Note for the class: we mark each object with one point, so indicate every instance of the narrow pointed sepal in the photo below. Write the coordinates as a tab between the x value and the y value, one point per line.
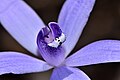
72	19
104	51
18	63
22	23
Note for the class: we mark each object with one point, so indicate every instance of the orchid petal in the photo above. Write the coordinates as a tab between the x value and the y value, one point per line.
104	51
67	73
22	23
4	4
53	56
72	20
18	63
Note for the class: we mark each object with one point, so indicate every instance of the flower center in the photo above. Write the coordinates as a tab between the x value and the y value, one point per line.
57	41
53	35
49	41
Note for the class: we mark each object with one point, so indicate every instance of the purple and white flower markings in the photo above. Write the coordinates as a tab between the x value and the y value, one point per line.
54	42
49	42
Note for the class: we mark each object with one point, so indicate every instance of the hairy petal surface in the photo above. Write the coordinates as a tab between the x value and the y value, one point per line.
103	51
21	22
67	73
18	63
72	20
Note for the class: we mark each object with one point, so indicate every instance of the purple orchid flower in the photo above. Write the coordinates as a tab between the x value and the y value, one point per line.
53	42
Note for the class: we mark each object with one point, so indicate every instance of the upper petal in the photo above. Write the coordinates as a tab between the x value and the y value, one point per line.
103	51
67	73
21	22
18	63
72	20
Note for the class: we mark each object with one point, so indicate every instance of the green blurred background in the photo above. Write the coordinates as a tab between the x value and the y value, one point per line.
104	23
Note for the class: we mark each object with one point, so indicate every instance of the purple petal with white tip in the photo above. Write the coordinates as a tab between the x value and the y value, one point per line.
67	73
53	56
18	63
104	51
21	22
72	20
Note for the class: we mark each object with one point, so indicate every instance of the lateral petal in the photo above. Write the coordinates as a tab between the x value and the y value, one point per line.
72	19
104	51
18	63
22	23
